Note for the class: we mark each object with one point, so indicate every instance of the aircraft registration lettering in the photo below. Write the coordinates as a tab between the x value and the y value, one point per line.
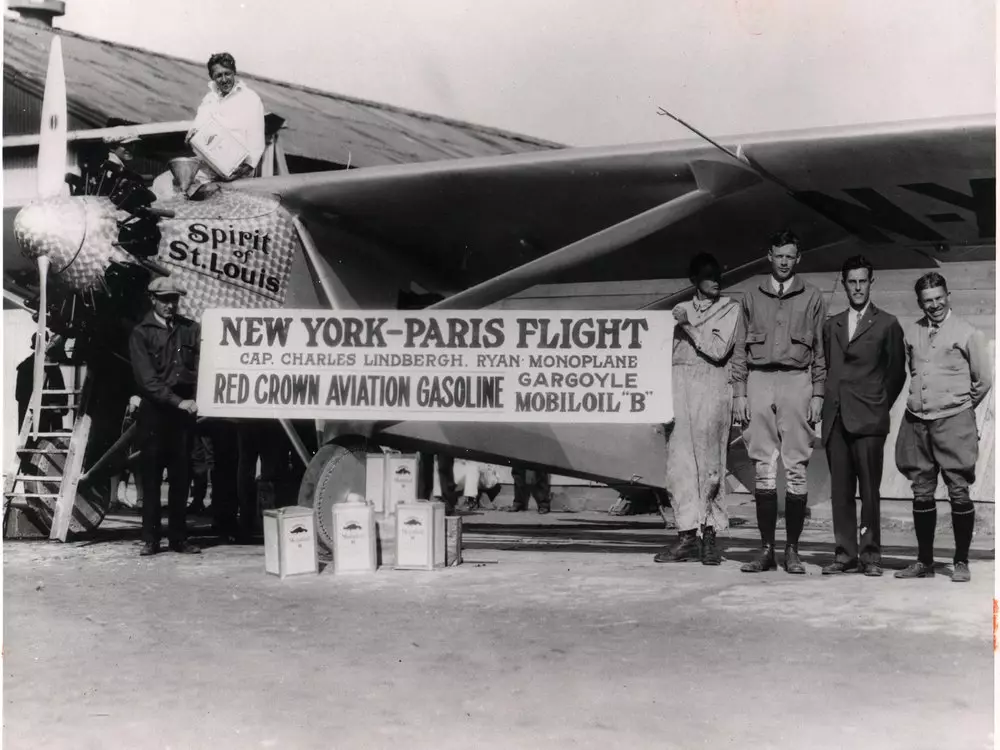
873	217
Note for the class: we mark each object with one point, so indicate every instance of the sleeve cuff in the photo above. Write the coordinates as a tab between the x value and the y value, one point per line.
817	391
740	389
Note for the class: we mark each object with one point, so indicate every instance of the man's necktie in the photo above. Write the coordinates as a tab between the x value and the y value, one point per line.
781	289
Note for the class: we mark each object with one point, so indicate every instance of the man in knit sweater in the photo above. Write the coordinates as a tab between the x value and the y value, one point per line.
950	375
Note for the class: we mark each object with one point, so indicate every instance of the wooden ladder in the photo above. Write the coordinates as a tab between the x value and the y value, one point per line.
47	496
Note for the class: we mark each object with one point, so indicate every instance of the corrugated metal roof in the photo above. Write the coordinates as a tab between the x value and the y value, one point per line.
106	79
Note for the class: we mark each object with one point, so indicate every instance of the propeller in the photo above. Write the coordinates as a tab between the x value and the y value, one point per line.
51	184
52	138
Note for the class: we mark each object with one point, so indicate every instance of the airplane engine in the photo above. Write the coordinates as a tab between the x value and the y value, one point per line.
233	249
76	234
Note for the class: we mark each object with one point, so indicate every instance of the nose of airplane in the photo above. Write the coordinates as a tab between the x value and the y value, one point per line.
54	228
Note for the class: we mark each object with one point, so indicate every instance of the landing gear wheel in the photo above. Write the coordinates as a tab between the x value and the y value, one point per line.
336	470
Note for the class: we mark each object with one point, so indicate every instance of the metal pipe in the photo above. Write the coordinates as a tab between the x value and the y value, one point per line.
300	447
109	454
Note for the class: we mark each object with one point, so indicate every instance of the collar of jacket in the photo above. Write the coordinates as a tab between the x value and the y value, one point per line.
149	319
238	86
870	313
926	322
796	288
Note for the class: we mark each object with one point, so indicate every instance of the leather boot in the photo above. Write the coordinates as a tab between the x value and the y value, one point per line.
687	549
710	552
793	563
764	561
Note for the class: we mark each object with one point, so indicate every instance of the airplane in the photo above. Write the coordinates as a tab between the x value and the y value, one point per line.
474	232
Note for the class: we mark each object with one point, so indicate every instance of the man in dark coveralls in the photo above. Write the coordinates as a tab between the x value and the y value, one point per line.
865	374
164	352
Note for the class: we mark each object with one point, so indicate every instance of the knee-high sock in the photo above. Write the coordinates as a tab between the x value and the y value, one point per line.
795	517
767	514
963	520
924	524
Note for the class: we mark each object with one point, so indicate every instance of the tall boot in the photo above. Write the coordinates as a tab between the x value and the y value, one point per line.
925	524
795	519
767	521
710	552
687	549
963	520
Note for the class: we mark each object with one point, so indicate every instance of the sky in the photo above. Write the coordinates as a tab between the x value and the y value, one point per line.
594	72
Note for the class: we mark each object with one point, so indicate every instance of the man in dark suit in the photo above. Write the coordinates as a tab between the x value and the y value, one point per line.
865	358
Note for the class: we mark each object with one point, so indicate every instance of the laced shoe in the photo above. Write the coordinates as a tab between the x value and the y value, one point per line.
710	552
687	549
793	563
916	570
763	562
961	573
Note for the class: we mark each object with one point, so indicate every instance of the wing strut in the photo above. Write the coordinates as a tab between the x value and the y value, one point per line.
320	270
714	180
327	283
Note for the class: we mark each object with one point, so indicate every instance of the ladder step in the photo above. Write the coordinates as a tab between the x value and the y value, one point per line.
43	450
52	434
31	494
62	391
37	478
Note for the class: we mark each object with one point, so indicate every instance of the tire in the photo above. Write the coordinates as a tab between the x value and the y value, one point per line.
337	469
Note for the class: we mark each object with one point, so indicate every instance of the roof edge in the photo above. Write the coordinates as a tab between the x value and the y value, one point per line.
306	89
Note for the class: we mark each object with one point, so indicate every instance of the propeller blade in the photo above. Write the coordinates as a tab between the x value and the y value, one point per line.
52	137
39	370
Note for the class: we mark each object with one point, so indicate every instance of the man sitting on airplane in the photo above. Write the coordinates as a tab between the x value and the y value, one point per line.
237	108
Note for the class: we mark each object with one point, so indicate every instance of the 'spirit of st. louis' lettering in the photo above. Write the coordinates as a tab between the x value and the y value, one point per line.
227	253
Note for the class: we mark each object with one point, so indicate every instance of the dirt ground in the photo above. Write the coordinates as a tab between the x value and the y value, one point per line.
557	632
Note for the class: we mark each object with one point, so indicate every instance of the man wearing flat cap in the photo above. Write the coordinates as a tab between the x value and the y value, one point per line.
115	166
164	352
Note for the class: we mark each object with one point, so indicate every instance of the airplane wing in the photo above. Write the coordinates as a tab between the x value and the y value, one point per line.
910	193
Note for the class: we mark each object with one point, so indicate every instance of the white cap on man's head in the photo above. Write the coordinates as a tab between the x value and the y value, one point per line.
122	137
164	286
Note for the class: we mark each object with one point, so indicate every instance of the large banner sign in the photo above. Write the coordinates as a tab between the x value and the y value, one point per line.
475	366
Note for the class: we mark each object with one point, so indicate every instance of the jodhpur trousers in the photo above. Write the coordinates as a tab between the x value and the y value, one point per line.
949	445
779	427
